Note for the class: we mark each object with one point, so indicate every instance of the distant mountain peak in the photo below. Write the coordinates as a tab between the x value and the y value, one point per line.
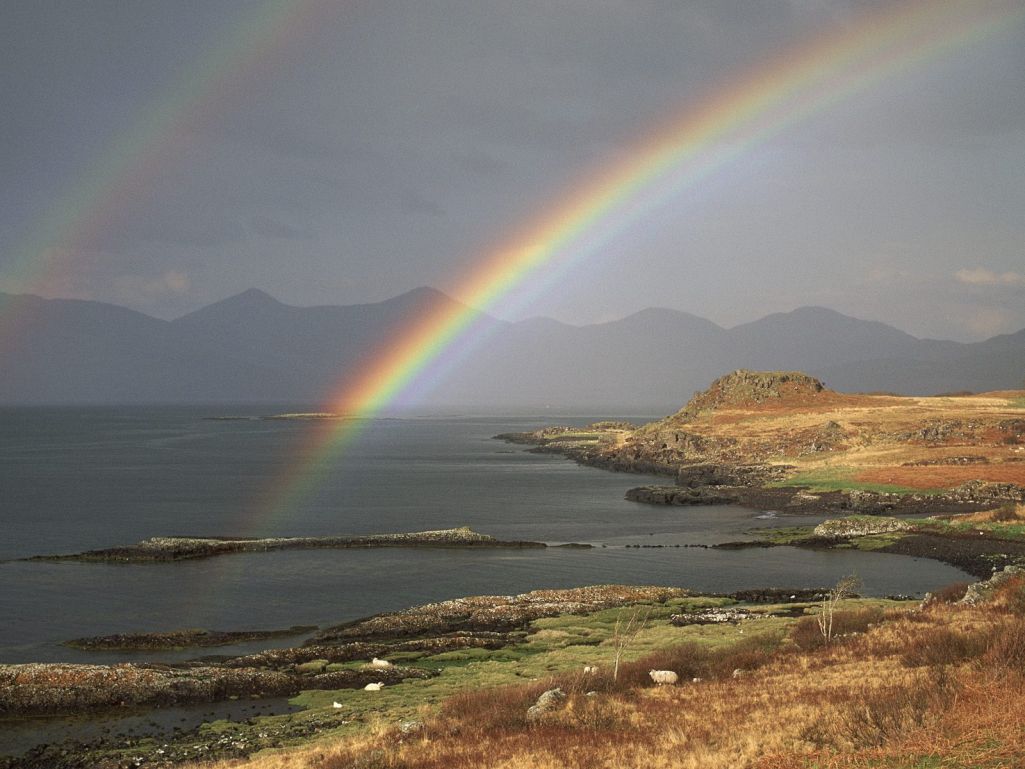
252	296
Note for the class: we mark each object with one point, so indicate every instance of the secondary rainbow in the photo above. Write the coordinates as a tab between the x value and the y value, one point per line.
61	241
687	148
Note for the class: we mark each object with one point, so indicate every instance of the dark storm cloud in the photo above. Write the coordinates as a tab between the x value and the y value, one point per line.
399	142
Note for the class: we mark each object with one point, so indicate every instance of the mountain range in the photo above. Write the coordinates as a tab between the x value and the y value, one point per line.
253	348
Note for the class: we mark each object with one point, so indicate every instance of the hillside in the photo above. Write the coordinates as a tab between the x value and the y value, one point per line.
892	685
254	348
799	431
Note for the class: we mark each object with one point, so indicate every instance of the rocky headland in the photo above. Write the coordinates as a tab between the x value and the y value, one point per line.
782	440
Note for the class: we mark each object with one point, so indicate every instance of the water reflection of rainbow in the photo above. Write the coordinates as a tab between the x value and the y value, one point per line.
690	146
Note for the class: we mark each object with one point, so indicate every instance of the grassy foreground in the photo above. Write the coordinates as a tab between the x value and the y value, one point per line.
900	686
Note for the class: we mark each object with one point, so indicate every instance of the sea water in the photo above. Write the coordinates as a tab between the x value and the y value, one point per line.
73	479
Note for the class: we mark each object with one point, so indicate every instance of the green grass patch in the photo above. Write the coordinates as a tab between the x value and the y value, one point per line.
876	541
784	535
1014	532
1017	403
842	479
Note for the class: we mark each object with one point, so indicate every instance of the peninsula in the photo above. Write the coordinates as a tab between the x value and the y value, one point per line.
162	549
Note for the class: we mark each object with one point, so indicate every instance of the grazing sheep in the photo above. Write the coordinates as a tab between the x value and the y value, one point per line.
590	669
662	677
379	664
336	705
374	687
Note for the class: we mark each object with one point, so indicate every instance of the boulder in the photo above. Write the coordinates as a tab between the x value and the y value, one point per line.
546	703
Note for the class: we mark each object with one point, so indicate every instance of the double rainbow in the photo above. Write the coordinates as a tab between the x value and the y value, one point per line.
678	155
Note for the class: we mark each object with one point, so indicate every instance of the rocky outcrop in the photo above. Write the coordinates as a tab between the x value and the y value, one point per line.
549	701
708	474
494	613
982	592
714	616
982	492
744	388
861	527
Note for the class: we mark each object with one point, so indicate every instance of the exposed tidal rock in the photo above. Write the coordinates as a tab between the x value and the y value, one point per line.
181	639
683	495
38	688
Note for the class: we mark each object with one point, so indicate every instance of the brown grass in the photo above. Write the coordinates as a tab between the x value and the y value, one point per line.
943	476
943	684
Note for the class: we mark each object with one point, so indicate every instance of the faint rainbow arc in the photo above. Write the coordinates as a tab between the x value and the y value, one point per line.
135	155
687	149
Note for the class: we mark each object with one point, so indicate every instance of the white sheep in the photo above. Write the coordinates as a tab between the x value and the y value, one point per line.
336	705
374	687
590	669
379	664
662	677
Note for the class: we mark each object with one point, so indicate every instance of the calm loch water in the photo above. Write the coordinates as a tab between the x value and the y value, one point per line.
78	478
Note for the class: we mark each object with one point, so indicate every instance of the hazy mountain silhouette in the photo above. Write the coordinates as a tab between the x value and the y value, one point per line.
253	348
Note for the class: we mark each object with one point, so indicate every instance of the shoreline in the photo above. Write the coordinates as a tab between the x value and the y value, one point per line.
427	643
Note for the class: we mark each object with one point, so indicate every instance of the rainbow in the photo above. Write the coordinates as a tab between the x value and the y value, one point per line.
62	239
689	147
685	149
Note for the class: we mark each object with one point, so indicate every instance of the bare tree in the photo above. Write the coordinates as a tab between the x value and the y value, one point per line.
624	634
844	589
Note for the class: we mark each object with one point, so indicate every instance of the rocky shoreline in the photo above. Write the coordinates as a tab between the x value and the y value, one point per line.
488	622
798	500
760	486
164	549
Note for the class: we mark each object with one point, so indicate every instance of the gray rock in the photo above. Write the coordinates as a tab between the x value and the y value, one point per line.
982	592
860	527
546	703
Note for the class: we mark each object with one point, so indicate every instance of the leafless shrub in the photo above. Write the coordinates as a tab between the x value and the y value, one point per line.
943	646
874	716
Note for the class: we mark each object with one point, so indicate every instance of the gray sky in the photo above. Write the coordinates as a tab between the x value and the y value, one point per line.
395	144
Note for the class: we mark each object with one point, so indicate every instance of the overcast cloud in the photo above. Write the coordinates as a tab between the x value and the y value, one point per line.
395	144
